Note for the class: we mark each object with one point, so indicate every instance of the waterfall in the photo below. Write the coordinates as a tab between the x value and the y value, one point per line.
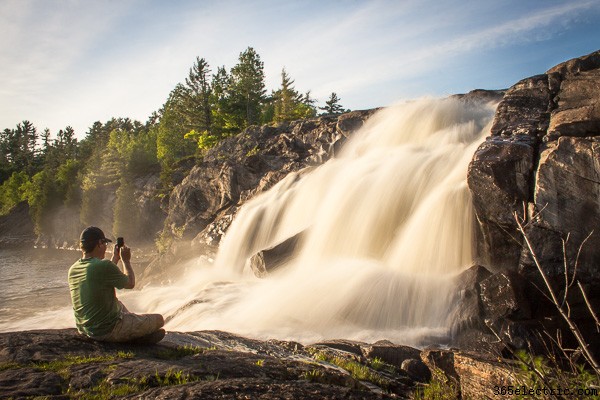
385	226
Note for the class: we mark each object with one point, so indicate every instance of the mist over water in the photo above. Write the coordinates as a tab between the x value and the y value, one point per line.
386	226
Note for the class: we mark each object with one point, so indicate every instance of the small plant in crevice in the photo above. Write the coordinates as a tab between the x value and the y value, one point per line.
439	388
314	375
174	377
179	352
357	370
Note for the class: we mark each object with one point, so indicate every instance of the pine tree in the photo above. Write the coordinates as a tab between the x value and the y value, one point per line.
247	89
45	136
332	106
5	165
220	104
195	98
288	104
171	144
19	147
286	99
66	143
306	108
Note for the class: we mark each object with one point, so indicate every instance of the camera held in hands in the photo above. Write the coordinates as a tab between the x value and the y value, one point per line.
120	242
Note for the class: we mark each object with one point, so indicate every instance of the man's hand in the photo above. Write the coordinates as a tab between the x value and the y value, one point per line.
125	254
115	255
126	257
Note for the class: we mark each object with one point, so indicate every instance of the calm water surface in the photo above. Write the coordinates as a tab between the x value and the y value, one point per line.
33	282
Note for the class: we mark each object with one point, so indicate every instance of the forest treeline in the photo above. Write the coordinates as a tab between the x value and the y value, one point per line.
54	173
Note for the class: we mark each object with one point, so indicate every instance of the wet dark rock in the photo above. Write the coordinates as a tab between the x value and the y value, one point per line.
348	346
567	194
467	310
350	122
525	109
268	260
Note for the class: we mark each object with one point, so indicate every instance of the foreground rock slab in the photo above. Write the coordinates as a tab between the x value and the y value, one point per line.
206	364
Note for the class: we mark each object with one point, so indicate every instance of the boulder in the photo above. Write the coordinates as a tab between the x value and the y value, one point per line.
416	369
499	177
467	308
475	375
268	260
525	109
390	353
503	296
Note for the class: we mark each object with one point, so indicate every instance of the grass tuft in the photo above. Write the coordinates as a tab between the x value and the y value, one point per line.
439	388
356	369
180	352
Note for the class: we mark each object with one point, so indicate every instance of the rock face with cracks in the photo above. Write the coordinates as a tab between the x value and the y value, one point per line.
541	164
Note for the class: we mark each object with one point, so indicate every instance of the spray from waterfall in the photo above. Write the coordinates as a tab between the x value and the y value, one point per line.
385	226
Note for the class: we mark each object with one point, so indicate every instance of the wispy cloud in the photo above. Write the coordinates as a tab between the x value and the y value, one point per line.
43	44
410	61
79	61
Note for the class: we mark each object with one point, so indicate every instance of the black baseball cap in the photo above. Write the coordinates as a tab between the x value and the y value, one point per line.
92	234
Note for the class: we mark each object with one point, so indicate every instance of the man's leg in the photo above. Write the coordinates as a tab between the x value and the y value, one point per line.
134	326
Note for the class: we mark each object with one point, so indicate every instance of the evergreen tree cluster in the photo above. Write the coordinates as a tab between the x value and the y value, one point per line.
62	173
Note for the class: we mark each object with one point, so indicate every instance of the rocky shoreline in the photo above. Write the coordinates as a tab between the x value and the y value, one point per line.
62	364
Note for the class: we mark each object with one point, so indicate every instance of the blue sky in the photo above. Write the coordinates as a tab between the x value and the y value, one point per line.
74	62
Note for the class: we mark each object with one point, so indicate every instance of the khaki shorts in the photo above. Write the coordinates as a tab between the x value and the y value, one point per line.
132	326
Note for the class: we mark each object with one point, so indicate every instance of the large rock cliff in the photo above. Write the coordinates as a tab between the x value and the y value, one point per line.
540	167
542	160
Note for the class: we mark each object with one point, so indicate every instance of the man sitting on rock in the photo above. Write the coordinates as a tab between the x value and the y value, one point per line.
92	281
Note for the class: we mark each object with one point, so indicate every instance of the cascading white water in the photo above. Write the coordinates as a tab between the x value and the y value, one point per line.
386	226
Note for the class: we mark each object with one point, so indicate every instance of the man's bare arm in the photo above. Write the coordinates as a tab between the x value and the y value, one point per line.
128	270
